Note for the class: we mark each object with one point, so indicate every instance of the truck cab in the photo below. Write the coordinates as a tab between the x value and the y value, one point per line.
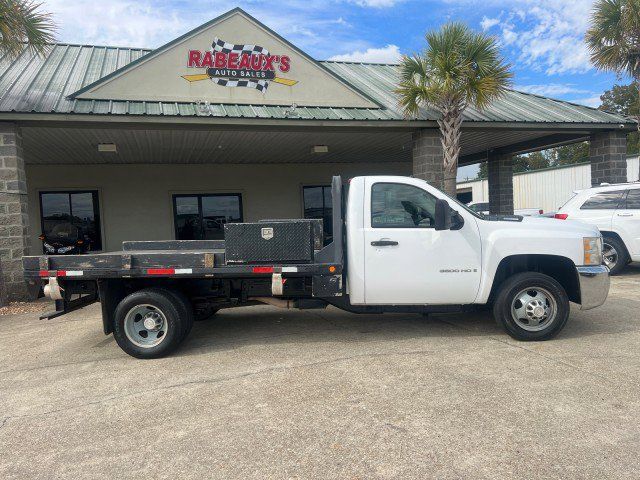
401	252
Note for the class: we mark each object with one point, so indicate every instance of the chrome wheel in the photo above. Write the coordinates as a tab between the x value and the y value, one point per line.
609	255
145	326
533	309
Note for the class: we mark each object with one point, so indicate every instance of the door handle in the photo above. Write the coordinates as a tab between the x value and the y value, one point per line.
384	243
625	214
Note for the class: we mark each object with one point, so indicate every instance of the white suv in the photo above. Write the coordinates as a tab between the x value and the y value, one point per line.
615	210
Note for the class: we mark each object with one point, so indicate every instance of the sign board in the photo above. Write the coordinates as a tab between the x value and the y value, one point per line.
233	59
233	65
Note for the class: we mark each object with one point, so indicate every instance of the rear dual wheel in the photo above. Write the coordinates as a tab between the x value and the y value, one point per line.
152	322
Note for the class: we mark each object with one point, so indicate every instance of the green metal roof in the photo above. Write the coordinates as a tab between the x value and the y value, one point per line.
37	84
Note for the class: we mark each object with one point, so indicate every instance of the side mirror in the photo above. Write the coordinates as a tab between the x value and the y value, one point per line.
443	215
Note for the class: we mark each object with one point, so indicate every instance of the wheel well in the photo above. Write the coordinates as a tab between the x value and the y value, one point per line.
606	233
559	268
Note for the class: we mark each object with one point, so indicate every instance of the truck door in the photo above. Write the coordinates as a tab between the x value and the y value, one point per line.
406	260
626	221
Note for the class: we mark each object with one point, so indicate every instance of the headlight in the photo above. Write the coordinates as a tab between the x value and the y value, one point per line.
66	249
592	250
49	248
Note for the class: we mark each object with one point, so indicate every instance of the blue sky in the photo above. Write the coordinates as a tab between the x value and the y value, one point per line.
542	39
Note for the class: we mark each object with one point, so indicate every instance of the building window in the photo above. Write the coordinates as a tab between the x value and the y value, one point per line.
395	205
202	217
317	204
74	213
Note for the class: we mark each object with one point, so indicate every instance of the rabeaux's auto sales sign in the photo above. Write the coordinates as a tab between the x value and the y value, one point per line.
233	65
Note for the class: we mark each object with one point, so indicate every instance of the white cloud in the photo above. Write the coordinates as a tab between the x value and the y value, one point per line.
388	54
375	3
151	23
487	22
116	22
593	101
551	89
549	34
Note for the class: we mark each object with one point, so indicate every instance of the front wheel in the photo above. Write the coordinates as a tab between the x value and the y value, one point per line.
614	254
531	306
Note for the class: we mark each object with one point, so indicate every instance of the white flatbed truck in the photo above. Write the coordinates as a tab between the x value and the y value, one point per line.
399	245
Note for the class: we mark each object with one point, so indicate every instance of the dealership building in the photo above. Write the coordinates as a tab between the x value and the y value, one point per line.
231	122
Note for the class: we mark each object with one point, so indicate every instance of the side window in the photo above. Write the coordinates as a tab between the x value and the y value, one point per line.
633	199
603	201
394	205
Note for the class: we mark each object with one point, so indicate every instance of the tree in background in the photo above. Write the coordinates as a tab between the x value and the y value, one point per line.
21	22
624	100
552	157
458	68
614	40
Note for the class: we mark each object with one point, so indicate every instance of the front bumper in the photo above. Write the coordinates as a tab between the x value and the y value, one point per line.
594	285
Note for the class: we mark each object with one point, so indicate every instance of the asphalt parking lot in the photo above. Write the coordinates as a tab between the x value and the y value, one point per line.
266	393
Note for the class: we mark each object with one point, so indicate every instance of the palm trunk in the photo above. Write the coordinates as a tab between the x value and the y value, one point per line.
450	129
637	80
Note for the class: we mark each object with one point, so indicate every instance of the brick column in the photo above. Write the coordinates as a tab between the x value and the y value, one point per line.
14	218
427	157
500	170
608	157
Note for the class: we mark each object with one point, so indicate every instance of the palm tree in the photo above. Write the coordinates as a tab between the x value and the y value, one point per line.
458	68
614	38
22	23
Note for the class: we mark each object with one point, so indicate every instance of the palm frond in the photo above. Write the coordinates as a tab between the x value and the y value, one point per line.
23	25
458	68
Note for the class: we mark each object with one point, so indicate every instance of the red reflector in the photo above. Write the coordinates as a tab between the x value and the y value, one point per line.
262	269
44	273
561	216
161	271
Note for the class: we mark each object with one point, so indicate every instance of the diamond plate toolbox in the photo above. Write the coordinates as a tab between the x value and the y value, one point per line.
272	241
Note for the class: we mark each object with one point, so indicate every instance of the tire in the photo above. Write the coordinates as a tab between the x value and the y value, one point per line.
186	309
621	259
149	304
518	305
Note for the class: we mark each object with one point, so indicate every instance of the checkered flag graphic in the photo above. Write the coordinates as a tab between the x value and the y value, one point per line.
220	45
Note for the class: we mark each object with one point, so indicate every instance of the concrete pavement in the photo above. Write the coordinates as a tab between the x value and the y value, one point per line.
266	393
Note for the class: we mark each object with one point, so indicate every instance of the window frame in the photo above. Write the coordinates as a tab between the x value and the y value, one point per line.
95	198
199	197
404	185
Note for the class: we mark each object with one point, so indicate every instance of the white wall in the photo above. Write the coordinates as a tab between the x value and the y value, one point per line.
546	189
136	202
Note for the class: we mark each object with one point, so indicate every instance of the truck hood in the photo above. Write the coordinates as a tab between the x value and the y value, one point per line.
556	225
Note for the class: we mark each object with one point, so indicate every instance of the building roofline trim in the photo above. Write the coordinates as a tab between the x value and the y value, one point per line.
211	119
